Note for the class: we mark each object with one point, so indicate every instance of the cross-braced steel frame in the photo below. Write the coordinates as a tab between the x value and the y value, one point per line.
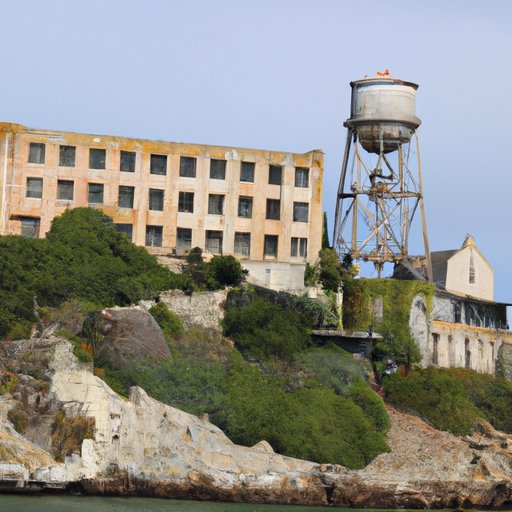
378	198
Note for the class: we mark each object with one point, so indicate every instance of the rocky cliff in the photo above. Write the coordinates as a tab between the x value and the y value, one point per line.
142	447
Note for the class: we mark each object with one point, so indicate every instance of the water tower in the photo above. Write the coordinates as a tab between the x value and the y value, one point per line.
380	188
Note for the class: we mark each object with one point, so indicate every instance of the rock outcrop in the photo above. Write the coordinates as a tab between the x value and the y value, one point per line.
143	447
129	335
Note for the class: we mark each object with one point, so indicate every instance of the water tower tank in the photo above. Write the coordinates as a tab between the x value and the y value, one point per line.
383	113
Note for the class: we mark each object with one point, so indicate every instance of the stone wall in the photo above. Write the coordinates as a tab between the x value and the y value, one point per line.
203	309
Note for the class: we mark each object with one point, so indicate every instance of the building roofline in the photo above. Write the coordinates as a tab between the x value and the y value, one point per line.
20	128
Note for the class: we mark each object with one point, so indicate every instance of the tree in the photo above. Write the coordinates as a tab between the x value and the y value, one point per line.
325	234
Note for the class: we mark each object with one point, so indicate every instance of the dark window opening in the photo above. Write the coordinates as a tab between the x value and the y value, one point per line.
270	246
127	163
467	351
435	348
183	238
215	204
65	190
213	242
300	212
247	172
156	199
299	247
301	177
243	244
245	206
36	153
188	167
158	165
154	236
186	202
67	156
273	209
30	227
275	173
97	158
218	169
126	194
34	188
127	229
95	195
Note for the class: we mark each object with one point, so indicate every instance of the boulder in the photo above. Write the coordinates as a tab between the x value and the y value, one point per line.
128	336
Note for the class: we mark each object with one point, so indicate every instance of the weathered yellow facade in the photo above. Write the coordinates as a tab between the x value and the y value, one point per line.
170	196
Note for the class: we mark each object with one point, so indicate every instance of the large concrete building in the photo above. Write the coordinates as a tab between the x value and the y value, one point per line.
265	207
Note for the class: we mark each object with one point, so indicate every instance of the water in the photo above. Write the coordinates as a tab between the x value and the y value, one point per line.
55	503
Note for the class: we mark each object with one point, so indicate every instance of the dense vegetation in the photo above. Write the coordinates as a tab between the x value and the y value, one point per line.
301	406
84	257
453	399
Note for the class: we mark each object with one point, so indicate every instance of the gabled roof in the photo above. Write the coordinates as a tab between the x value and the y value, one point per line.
440	265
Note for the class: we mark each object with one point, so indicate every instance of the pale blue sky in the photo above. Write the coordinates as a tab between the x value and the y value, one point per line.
275	74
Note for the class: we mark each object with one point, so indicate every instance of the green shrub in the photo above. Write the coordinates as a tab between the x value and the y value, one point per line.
492	396
19	419
20	330
371	404
311	423
263	330
169	322
81	348
332	367
227	270
83	257
436	396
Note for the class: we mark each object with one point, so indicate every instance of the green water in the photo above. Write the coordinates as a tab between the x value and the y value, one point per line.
53	503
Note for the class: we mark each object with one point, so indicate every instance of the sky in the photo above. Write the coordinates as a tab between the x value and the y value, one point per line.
275	74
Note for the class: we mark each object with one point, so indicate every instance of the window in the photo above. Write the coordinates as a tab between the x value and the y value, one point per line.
300	212
156	199
154	236
95	195
243	244
67	156
158	164
471	269
435	348
188	167
183	238
218	169
65	190
299	247
301	177
186	202
215	204
467	352
245	206
127	163
275	173
247	172
97	158
34	187
270	246
273	209
213	241
30	227
36	153
125	199
127	229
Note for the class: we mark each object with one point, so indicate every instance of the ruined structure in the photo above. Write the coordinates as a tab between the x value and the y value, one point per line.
465	327
264	207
